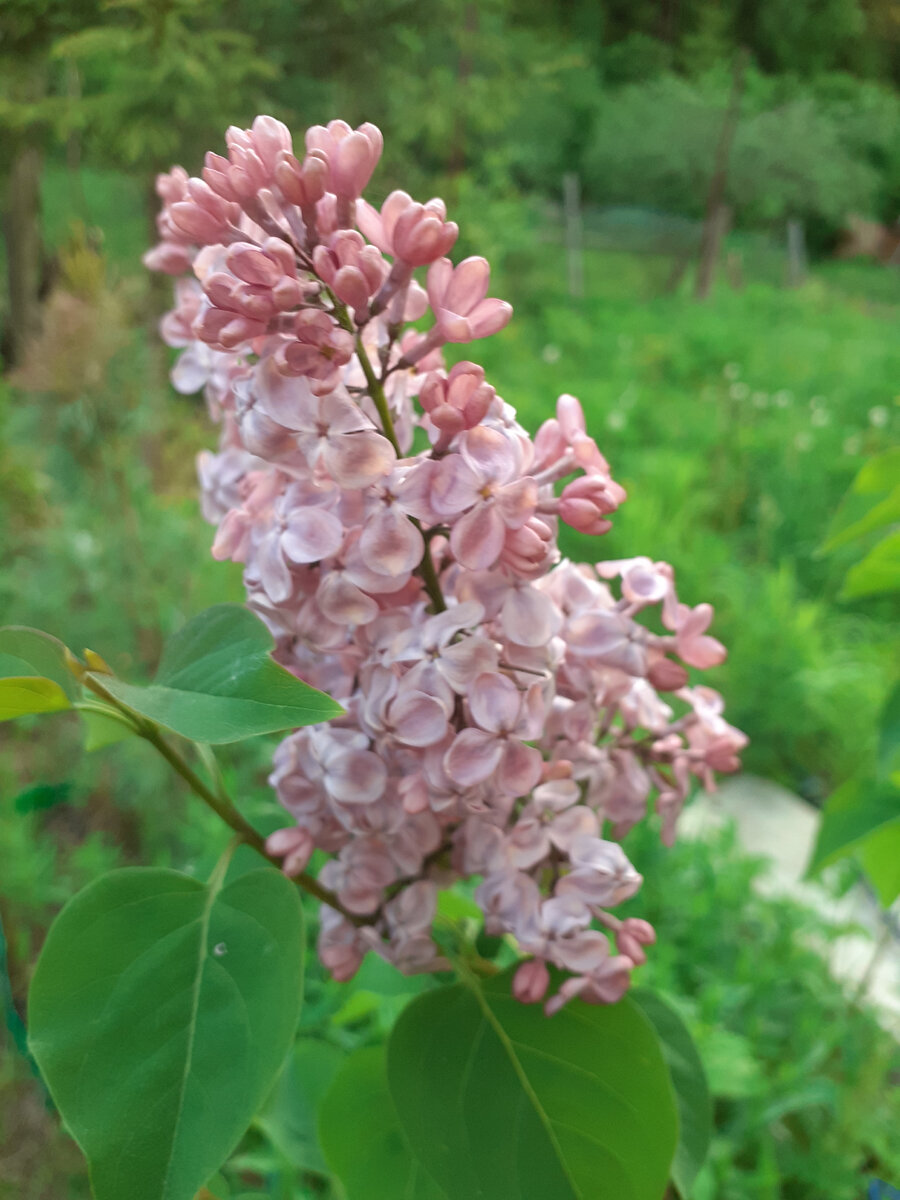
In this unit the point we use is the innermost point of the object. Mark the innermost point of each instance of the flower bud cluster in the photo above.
(510, 715)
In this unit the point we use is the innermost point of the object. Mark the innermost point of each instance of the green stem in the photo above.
(376, 391)
(426, 567)
(430, 576)
(217, 800)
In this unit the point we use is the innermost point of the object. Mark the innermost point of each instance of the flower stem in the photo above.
(379, 399)
(220, 803)
(426, 567)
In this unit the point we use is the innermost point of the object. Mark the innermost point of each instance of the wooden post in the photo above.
(718, 215)
(574, 234)
(24, 250)
(796, 254)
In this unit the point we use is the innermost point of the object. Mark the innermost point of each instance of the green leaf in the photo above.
(288, 1118)
(872, 502)
(28, 652)
(878, 573)
(889, 732)
(217, 683)
(850, 526)
(360, 1134)
(102, 730)
(689, 1082)
(456, 906)
(160, 1014)
(856, 810)
(499, 1101)
(880, 857)
(879, 474)
(30, 694)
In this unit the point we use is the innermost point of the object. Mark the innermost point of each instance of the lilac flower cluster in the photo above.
(504, 707)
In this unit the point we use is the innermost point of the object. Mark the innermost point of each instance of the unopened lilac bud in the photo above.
(531, 981)
(271, 138)
(352, 155)
(294, 845)
(302, 184)
(631, 938)
(666, 675)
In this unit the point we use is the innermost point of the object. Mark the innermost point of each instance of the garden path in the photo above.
(777, 825)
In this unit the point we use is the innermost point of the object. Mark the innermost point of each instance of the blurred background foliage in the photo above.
(737, 424)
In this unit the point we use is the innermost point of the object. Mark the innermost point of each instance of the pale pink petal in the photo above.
(489, 453)
(583, 951)
(191, 370)
(477, 537)
(343, 601)
(574, 822)
(520, 768)
(531, 981)
(285, 399)
(462, 662)
(417, 719)
(694, 621)
(564, 915)
(570, 415)
(311, 535)
(702, 652)
(453, 327)
(472, 757)
(468, 285)
(609, 638)
(356, 777)
(439, 275)
(390, 543)
(517, 502)
(338, 414)
(273, 570)
(355, 460)
(489, 317)
(527, 844)
(453, 486)
(446, 625)
(370, 224)
(529, 616)
(494, 701)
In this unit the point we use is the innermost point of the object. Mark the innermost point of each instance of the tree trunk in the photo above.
(715, 230)
(24, 252)
(717, 215)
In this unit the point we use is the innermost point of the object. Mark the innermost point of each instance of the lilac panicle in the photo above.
(510, 714)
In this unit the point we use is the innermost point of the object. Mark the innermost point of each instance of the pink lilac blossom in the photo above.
(510, 714)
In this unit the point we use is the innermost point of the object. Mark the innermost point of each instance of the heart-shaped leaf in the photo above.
(880, 857)
(500, 1102)
(160, 1013)
(878, 573)
(217, 683)
(857, 809)
(38, 653)
(360, 1134)
(34, 677)
(689, 1081)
